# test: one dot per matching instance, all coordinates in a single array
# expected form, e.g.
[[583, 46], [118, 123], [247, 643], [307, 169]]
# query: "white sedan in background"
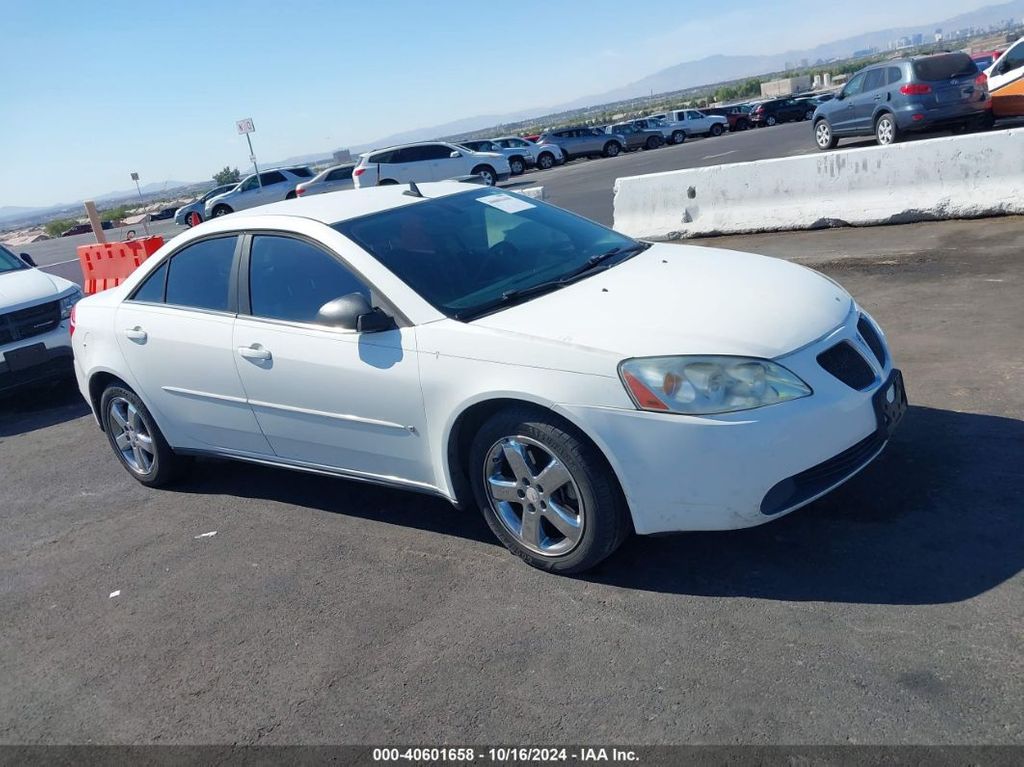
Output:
[[572, 383]]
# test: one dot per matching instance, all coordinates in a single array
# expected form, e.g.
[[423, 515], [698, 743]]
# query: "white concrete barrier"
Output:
[[537, 192], [955, 177]]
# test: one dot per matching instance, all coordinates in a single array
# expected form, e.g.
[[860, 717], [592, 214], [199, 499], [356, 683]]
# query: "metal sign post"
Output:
[[247, 127], [135, 178]]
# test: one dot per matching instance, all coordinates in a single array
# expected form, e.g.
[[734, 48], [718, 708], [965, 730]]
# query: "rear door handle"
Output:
[[135, 334], [254, 352], [878, 98]]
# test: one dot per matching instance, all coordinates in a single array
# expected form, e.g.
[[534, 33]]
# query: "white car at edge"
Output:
[[572, 383]]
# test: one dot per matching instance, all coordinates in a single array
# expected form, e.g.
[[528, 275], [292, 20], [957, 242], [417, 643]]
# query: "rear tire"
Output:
[[570, 525], [886, 132], [387, 182], [651, 143], [136, 440], [742, 124], [291, 195], [770, 120]]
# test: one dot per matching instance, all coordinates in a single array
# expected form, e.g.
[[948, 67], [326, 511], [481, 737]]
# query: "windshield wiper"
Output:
[[591, 265]]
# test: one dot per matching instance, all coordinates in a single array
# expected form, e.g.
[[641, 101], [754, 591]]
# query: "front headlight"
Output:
[[702, 385], [68, 301]]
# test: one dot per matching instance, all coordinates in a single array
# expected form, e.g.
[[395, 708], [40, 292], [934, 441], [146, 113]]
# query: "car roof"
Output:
[[343, 206], [403, 146]]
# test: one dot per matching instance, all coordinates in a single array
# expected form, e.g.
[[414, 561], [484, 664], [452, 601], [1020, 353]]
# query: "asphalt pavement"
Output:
[[249, 605]]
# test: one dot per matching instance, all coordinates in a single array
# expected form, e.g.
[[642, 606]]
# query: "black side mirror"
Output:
[[353, 312], [28, 259]]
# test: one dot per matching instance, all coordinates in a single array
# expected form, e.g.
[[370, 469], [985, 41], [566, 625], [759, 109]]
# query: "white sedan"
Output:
[[572, 383]]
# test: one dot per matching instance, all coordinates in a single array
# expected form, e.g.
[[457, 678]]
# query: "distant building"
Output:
[[785, 87], [342, 155], [863, 52]]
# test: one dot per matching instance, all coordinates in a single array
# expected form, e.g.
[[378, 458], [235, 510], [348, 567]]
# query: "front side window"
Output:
[[290, 279], [249, 184], [199, 275], [10, 262], [1014, 59], [855, 85], [464, 252]]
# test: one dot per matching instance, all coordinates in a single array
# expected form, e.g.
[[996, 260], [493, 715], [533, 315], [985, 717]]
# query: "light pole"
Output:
[[135, 178]]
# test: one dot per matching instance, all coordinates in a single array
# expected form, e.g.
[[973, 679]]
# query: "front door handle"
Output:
[[135, 334], [254, 352]]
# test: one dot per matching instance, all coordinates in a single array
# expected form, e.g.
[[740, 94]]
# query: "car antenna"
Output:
[[413, 190]]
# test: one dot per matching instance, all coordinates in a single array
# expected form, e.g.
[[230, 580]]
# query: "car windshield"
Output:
[[10, 262], [465, 253], [944, 67]]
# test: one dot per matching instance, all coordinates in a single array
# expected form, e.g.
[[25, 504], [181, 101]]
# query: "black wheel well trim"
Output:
[[468, 422], [98, 383], [883, 111], [483, 166]]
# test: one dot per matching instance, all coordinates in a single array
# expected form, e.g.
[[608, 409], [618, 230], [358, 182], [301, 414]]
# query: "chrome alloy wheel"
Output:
[[886, 130], [534, 496], [131, 436], [823, 134]]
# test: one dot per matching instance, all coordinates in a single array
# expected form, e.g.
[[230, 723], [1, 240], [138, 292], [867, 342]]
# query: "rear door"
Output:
[[175, 332], [1006, 82]]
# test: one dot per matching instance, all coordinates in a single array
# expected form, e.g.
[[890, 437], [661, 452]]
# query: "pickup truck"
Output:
[[695, 122], [673, 133]]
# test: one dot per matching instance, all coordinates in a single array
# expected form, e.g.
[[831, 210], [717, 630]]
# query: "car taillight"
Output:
[[981, 80], [359, 171], [71, 321], [299, 191], [915, 89]]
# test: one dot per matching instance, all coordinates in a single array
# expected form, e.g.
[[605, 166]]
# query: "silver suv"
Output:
[[521, 154], [584, 141], [270, 186]]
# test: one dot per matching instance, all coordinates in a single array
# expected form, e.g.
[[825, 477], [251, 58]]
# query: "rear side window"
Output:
[[894, 75], [301, 172], [272, 177], [435, 152], [381, 157], [944, 67], [152, 290], [199, 275], [874, 79], [339, 174], [290, 279]]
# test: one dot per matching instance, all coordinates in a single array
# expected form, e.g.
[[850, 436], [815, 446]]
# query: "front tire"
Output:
[[886, 132], [770, 121], [136, 440], [221, 210], [486, 172], [517, 166], [716, 130], [678, 137], [612, 149], [652, 143], [194, 219], [823, 135], [546, 491]]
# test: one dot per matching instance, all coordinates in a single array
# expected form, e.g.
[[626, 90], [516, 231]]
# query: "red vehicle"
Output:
[[738, 116], [532, 138], [985, 59]]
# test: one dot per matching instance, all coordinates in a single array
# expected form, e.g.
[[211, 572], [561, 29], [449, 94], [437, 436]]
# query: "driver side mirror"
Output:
[[455, 153], [28, 259], [841, 95], [353, 312]]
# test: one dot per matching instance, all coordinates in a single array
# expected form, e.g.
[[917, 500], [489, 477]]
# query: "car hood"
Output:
[[26, 287], [686, 299]]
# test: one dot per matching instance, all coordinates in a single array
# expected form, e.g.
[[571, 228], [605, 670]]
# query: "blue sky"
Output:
[[93, 91]]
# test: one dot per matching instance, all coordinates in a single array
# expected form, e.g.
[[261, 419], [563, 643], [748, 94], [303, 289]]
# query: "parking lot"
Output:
[[323, 611]]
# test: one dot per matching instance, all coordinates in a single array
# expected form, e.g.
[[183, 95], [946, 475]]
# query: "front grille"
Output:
[[846, 364], [33, 321], [871, 338], [816, 480]]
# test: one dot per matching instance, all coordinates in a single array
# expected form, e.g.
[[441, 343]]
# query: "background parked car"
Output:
[[335, 179], [430, 161], [673, 133], [277, 185], [637, 138], [773, 111], [738, 116], [85, 228], [521, 154], [919, 94], [192, 214], [695, 122], [584, 141], [985, 59], [1006, 82]]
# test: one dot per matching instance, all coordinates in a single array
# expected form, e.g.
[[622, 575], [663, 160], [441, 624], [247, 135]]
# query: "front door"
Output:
[[843, 117], [176, 335], [1007, 83], [322, 395]]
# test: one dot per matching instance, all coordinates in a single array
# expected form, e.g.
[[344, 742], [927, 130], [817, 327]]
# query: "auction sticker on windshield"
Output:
[[506, 202]]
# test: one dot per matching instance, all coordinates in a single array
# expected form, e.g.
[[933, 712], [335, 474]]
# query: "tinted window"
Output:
[[152, 289], [435, 152], [855, 85], [290, 279], [381, 157], [875, 78], [250, 183], [200, 274], [437, 246], [272, 177], [339, 174], [301, 172], [10, 262], [895, 75], [1014, 59], [516, 142], [944, 67]]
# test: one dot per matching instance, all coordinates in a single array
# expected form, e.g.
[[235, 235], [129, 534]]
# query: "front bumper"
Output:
[[36, 359], [744, 469]]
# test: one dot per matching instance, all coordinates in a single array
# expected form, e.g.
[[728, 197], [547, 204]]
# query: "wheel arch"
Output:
[[463, 426], [98, 383]]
